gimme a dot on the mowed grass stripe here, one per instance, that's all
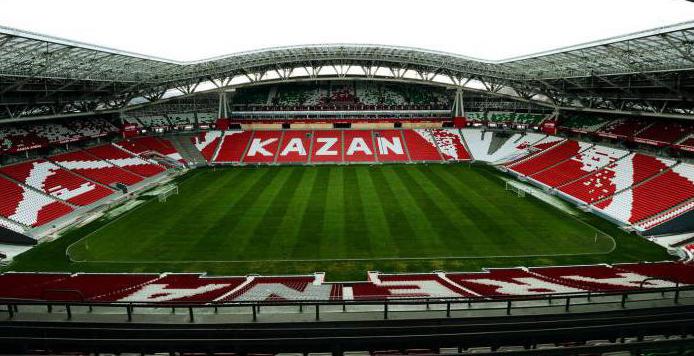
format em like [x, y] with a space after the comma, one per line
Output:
[340, 212]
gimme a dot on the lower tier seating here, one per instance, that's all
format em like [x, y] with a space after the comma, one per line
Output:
[549, 157]
[95, 169]
[196, 288]
[207, 143]
[580, 165]
[232, 146]
[125, 160]
[451, 144]
[57, 182]
[28, 207]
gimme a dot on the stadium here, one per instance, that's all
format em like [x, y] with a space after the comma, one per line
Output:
[347, 199]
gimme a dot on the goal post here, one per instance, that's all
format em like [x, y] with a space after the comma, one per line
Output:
[165, 194]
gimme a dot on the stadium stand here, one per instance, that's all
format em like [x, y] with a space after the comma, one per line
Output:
[171, 288]
[233, 146]
[295, 147]
[549, 157]
[92, 127]
[57, 182]
[662, 133]
[94, 168]
[491, 283]
[263, 147]
[623, 128]
[516, 146]
[154, 121]
[125, 160]
[579, 166]
[359, 146]
[140, 145]
[29, 207]
[390, 146]
[599, 278]
[327, 146]
[421, 145]
[207, 143]
[54, 133]
[582, 123]
[18, 139]
[451, 144]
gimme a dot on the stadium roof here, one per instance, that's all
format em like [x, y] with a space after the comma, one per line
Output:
[649, 72]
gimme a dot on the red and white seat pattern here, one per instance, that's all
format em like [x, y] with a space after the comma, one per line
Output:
[601, 278]
[295, 147]
[359, 146]
[386, 286]
[197, 288]
[663, 192]
[139, 145]
[615, 177]
[644, 199]
[537, 149]
[263, 147]
[390, 146]
[421, 145]
[56, 182]
[326, 146]
[336, 146]
[515, 147]
[28, 207]
[580, 165]
[232, 147]
[654, 221]
[125, 160]
[549, 157]
[207, 143]
[94, 168]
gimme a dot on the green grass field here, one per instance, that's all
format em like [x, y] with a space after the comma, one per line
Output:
[344, 220]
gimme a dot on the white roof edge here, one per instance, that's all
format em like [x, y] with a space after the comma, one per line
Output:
[47, 38]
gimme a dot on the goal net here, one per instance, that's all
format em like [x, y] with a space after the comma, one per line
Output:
[518, 190]
[166, 193]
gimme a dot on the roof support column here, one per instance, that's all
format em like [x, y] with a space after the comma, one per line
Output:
[458, 109]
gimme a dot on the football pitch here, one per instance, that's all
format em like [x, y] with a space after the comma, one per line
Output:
[348, 219]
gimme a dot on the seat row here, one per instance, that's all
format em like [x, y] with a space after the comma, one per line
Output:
[489, 283]
[324, 146]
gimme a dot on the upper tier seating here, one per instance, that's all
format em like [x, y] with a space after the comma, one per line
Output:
[207, 118]
[664, 132]
[17, 139]
[154, 121]
[421, 145]
[580, 165]
[583, 123]
[207, 143]
[549, 157]
[27, 206]
[476, 116]
[182, 118]
[125, 160]
[57, 182]
[95, 169]
[451, 144]
[623, 128]
[93, 127]
[54, 133]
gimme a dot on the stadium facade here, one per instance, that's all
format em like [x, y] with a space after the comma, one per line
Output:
[87, 133]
